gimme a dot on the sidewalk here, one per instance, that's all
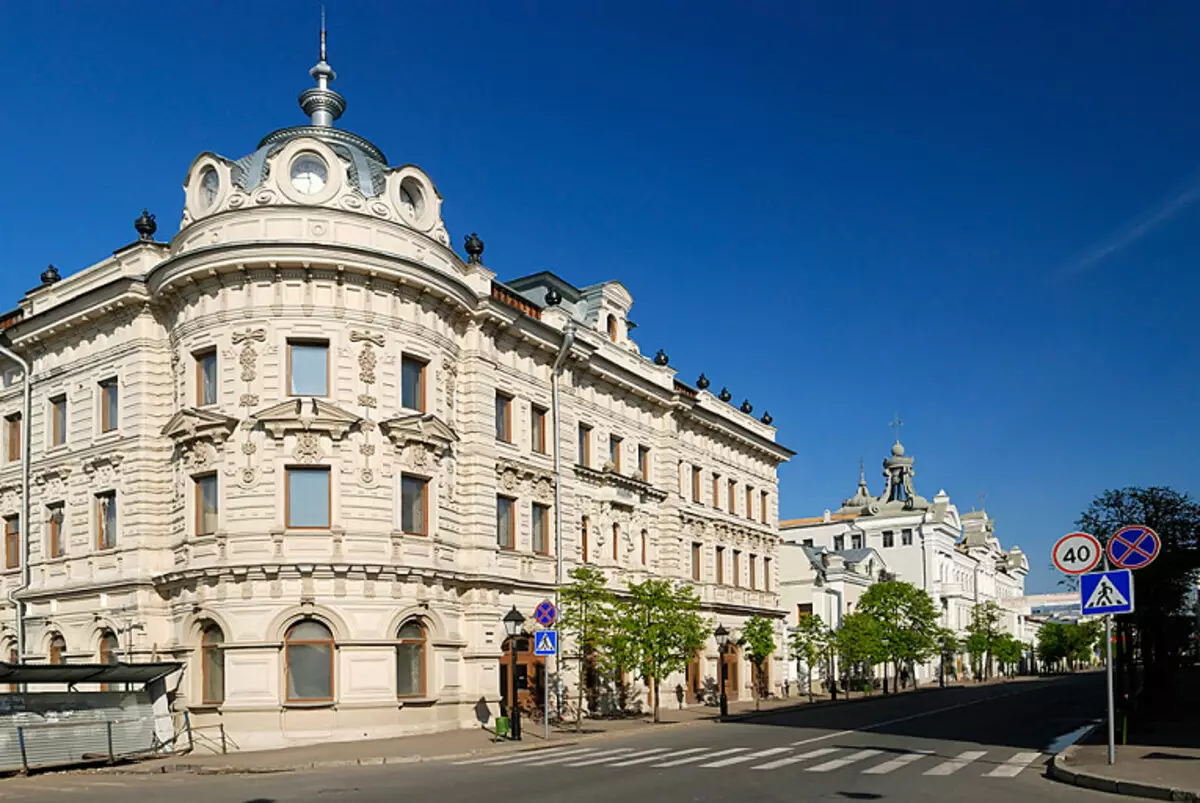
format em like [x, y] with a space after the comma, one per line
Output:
[1161, 759]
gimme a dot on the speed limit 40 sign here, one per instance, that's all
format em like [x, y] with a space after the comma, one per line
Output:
[1077, 553]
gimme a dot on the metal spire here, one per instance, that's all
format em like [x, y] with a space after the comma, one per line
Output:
[322, 33]
[322, 104]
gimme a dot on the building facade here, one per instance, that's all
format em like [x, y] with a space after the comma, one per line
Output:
[957, 559]
[308, 450]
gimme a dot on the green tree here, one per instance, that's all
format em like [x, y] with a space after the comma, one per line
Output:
[758, 640]
[859, 644]
[664, 627]
[617, 657]
[985, 629]
[907, 619]
[977, 646]
[948, 646]
[1007, 651]
[585, 610]
[810, 643]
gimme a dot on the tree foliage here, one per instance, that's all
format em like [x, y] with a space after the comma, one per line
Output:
[664, 628]
[1069, 643]
[982, 635]
[585, 611]
[907, 621]
[859, 643]
[810, 641]
[758, 640]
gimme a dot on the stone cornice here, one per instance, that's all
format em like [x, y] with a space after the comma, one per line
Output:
[611, 478]
[307, 415]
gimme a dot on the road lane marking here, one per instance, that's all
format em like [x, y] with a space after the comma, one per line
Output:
[897, 762]
[838, 763]
[701, 757]
[533, 755]
[955, 764]
[1012, 768]
[647, 758]
[590, 761]
[911, 717]
[729, 762]
[783, 762]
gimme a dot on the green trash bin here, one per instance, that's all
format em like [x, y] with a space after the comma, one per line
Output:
[503, 728]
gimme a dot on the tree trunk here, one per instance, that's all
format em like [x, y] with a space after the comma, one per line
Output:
[885, 677]
[810, 694]
[656, 685]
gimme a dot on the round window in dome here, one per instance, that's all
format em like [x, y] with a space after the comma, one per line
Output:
[309, 173]
[210, 186]
[412, 199]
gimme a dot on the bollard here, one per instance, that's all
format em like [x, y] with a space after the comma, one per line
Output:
[223, 748]
[24, 757]
[187, 724]
[111, 757]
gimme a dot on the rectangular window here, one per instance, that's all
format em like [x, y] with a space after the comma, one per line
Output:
[412, 384]
[766, 574]
[12, 542]
[308, 368]
[803, 609]
[839, 543]
[616, 540]
[309, 498]
[585, 446]
[716, 491]
[720, 563]
[679, 477]
[645, 538]
[537, 428]
[644, 462]
[503, 418]
[763, 508]
[696, 484]
[583, 540]
[540, 515]
[206, 377]
[56, 541]
[737, 568]
[58, 421]
[889, 539]
[110, 405]
[506, 523]
[732, 501]
[906, 537]
[12, 434]
[808, 542]
[753, 572]
[856, 541]
[696, 562]
[614, 452]
[414, 505]
[749, 503]
[106, 520]
[206, 504]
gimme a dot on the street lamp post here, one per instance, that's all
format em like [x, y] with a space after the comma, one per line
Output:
[513, 622]
[722, 636]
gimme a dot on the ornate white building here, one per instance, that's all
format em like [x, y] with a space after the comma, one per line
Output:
[956, 558]
[309, 451]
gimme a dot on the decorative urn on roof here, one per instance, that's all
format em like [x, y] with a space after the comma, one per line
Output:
[145, 227]
[661, 358]
[474, 247]
[50, 275]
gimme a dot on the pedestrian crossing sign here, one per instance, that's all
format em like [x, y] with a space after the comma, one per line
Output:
[545, 642]
[1106, 592]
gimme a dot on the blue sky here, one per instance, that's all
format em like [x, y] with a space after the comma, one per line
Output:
[981, 215]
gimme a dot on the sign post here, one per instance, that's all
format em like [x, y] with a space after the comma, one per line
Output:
[1105, 594]
[545, 643]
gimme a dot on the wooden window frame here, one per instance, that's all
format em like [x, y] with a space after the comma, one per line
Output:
[644, 461]
[764, 499]
[737, 568]
[198, 501]
[424, 642]
[424, 504]
[696, 471]
[716, 491]
[507, 408]
[539, 512]
[12, 434]
[585, 445]
[610, 326]
[287, 644]
[537, 429]
[57, 653]
[583, 540]
[719, 560]
[54, 529]
[308, 341]
[109, 646]
[614, 451]
[750, 502]
[616, 541]
[58, 431]
[406, 359]
[287, 497]
[199, 357]
[697, 547]
[106, 386]
[12, 542]
[732, 497]
[766, 573]
[753, 565]
[645, 538]
[512, 523]
[206, 647]
[102, 520]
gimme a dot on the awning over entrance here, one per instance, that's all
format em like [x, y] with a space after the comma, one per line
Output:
[71, 674]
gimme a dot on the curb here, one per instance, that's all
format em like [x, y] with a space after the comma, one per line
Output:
[1058, 771]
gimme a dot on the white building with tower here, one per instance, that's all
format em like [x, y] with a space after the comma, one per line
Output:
[310, 451]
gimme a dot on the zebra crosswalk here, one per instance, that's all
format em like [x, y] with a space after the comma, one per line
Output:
[878, 760]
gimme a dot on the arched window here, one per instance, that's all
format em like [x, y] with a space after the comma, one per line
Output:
[212, 665]
[108, 654]
[410, 660]
[308, 662]
[58, 649]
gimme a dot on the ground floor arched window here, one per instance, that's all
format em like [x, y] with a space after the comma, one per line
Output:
[58, 649]
[410, 660]
[212, 665]
[308, 662]
[108, 654]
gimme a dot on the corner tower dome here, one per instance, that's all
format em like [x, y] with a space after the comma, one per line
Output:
[312, 165]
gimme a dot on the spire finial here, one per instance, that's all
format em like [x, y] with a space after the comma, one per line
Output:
[321, 103]
[862, 472]
[896, 424]
[322, 32]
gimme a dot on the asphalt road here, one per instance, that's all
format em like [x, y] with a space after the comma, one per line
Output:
[988, 744]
